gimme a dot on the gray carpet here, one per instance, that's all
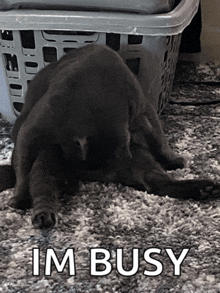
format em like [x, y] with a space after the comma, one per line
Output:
[113, 217]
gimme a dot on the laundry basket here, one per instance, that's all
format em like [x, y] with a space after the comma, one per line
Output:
[149, 44]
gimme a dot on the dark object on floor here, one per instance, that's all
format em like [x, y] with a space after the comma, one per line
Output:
[190, 42]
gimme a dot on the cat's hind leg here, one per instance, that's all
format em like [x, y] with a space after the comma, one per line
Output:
[46, 179]
[146, 174]
[148, 133]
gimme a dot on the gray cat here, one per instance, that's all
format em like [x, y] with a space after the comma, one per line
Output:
[85, 117]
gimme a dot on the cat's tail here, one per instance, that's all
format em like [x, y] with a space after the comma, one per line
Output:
[7, 177]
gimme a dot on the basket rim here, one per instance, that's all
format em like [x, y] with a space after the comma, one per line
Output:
[171, 23]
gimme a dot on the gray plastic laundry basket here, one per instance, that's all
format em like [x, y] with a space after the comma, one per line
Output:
[149, 45]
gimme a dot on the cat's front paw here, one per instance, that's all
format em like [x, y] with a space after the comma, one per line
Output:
[175, 163]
